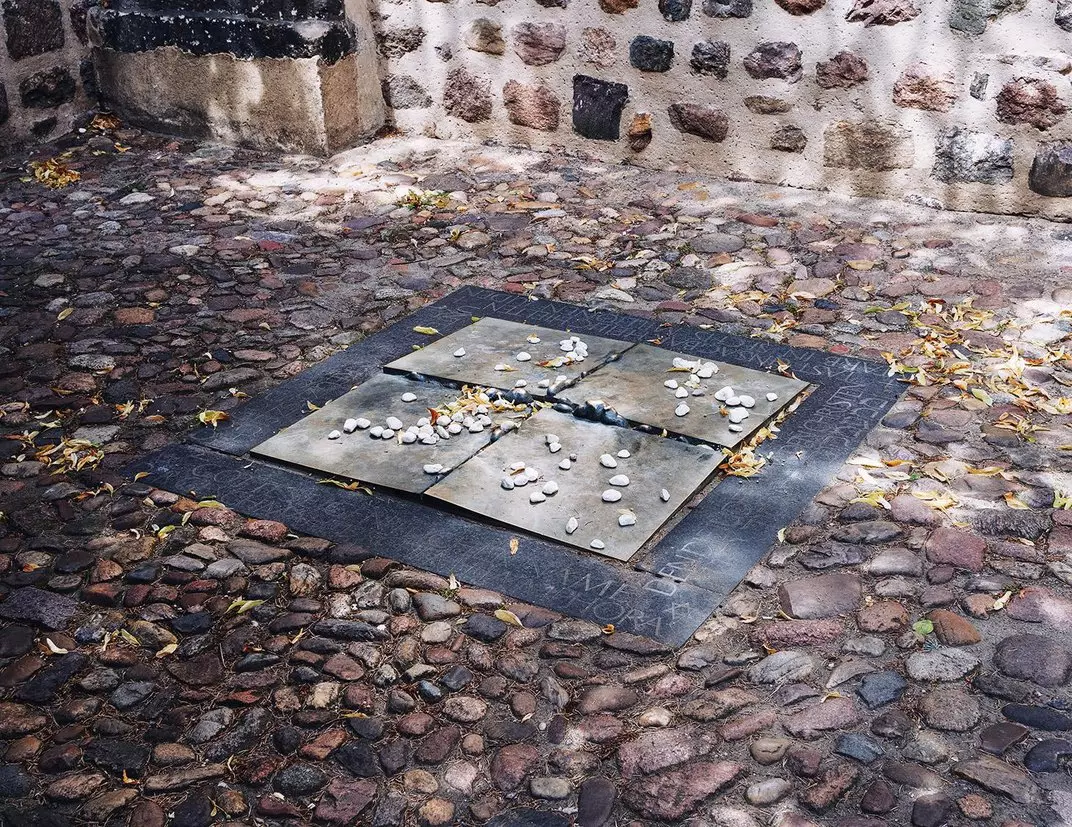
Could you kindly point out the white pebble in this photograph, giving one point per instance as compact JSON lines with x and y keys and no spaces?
{"x":681,"y":393}
{"x":433,"y":468}
{"x":607,"y":461}
{"x":460,"y":352}
{"x":533,"y":339}
{"x":772,"y":397}
{"x":747,"y":401}
{"x":664,"y":495}
{"x":349,"y":426}
{"x":627,"y":519}
{"x":670,"y":383}
{"x":611,"y":496}
{"x":683,"y":363}
{"x":523,"y":356}
{"x":409,"y":397}
{"x":394,"y":423}
{"x":408,"y":438}
{"x":724,"y":393}
{"x":550,"y":488}
{"x":545,"y":383}
{"x":536,"y":497}
{"x":388,"y":433}
{"x":334,"y":435}
{"x":623,"y":454}
{"x":520,"y":481}
{"x":554,"y":447}
{"x":571,"y":525}
{"x":424,"y":420}
{"x":476,"y":428}
{"x":738,"y":415}
{"x":707,"y":370}
{"x":619,"y":480}
{"x":454,"y":428}
{"x":551,"y":439}
{"x":429,"y":440}
{"x":681,"y":410}
{"x":532,"y":473}
{"x":362,"y":423}
{"x":376,"y":431}
{"x":517,"y":466}
{"x":507,"y":484}
{"x":598,"y":544}
{"x":736,"y":429}
{"x":733,"y":401}
{"x":565,"y":465}
{"x":501,"y":366}
{"x":521,"y":383}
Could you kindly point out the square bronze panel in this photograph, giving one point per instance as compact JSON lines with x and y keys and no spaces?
{"x":358,"y":456}
{"x":653,"y":464}
{"x":490,"y":342}
{"x":634,"y":386}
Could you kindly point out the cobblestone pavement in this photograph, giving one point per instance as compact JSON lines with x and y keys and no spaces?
{"x":902,"y":657}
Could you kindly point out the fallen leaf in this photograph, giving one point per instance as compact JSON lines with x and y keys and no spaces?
{"x":427,"y":331}
{"x":213,"y":418}
{"x":506,"y":616}
{"x":54,"y":649}
{"x":923,"y":627}
{"x":63,"y":314}
{"x":514,"y":543}
{"x":166,"y":650}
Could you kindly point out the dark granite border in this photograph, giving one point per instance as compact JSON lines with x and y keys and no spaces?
{"x":669,"y":592}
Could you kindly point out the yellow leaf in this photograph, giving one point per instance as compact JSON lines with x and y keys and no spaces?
{"x":506,"y":616}
{"x":54,"y":649}
{"x":427,"y":331}
{"x":1002,"y":601}
{"x":166,"y":650}
{"x":609,"y":629}
{"x":1062,"y":500}
{"x":165,"y":531}
{"x":875,"y":498}
{"x":1015,"y":502}
{"x":349,"y":486}
{"x":128,"y":637}
{"x":312,"y":407}
{"x":63,"y":314}
{"x":213,"y":418}
{"x":140,"y":475}
{"x":452,"y":583}
{"x":514,"y":543}
{"x":867,"y":462}
{"x":781,"y":534}
{"x":983,"y":397}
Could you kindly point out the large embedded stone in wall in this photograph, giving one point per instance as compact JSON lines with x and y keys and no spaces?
{"x":1051,"y":171}
{"x":5,"y":111}
{"x":467,"y":96}
{"x":34,"y":27}
{"x":1063,"y":16}
{"x":921,"y":87}
{"x":1032,"y":101}
{"x":597,"y":47}
{"x":867,"y":145}
{"x":49,"y":89}
{"x":882,"y":12}
{"x":775,"y":59}
{"x":393,"y":43}
{"x":404,"y":92}
{"x":674,"y":11}
{"x":703,"y":121}
{"x":962,"y":156}
{"x":536,"y":107}
{"x":801,"y":7}
{"x":618,"y":6}
{"x":789,"y":139}
{"x":843,"y":71}
{"x":651,"y":55}
{"x":597,"y":107}
{"x":711,"y":57}
{"x":484,"y":35}
{"x":972,"y":16}
{"x":727,"y":8}
{"x":538,"y":44}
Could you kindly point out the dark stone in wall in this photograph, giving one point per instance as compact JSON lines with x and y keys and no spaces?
{"x":775,"y":60}
{"x":789,"y":139}
{"x":397,"y":42}
{"x":43,"y":128}
{"x":467,"y":96}
{"x":597,"y":107}
{"x":800,"y":7}
{"x":33,"y":27}
{"x":963,"y":156}
{"x":553,"y":4}
{"x":727,"y":8}
{"x":639,"y":133}
{"x":1030,"y":100}
{"x":1051,"y":171}
{"x":79,"y":11}
{"x":264,"y":9}
{"x":842,"y":71}
{"x":5,"y":111}
{"x":711,"y":57}
{"x":205,"y":34}
{"x":403,"y":92}
{"x":704,"y":121}
{"x":972,"y":16}
{"x":1063,"y":16}
{"x":675,"y":10}
{"x":979,"y":82}
{"x":88,"y":75}
{"x":650,"y":55}
{"x":50,"y":88}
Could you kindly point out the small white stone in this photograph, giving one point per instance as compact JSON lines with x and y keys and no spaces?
{"x":551,"y":439}
{"x":772,"y":397}
{"x":681,"y":410}
{"x":349,"y":426}
{"x":508,"y":426}
{"x":520,"y":481}
{"x":429,"y":440}
{"x":724,"y":393}
{"x":620,"y":480}
{"x":458,"y":416}
{"x":681,"y":393}
{"x":738,"y":415}
{"x":623,"y":454}
{"x":550,"y":488}
{"x":545,"y":383}
{"x":554,"y":447}
{"x":334,"y":435}
{"x":607,"y":461}
{"x":376,"y":431}
{"x":408,"y":438}
{"x":507,"y":484}
{"x":627,"y":519}
{"x":501,"y":366}
{"x":476,"y":428}
{"x":433,"y":468}
{"x":442,"y":432}
{"x":747,"y":401}
{"x":707,"y":370}
{"x":532,"y":473}
{"x":566,"y":345}
{"x":424,"y":420}
{"x":523,"y":356}
{"x":735,"y":429}
{"x":536,"y":497}
{"x":683,"y":363}
{"x":388,"y":433}
{"x":533,"y":339}
{"x":733,"y":401}
{"x":460,"y":352}
{"x":611,"y":496}
{"x":409,"y":397}
{"x":362,"y":423}
{"x":598,"y":544}
{"x":565,"y":465}
{"x":394,"y":423}
{"x":521,"y":383}
{"x":454,"y":428}
{"x":571,"y":525}
{"x":670,"y":383}
{"x":664,"y":495}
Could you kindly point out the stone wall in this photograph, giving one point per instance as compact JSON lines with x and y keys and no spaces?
{"x":959,"y":103}
{"x":45,"y":79}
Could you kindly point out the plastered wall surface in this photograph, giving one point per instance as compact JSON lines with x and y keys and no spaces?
{"x":943,"y":102}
